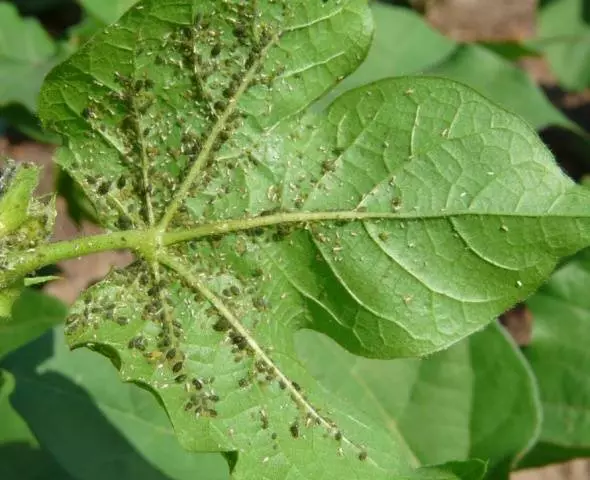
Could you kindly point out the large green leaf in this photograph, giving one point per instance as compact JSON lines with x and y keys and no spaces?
{"x":27,"y":53}
{"x":403,"y":219}
{"x":20,"y":455}
{"x":564,"y":35}
{"x":559,"y":358}
{"x":477,"y":399}
{"x":96,"y":426}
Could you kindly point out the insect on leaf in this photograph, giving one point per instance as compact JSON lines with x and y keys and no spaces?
{"x":404,"y":218}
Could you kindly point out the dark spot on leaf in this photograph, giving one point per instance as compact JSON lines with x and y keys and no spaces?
{"x":180,"y":378}
{"x":363,"y":455}
{"x":294,"y":429}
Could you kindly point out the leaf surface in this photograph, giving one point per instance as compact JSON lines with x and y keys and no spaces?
{"x":186,"y":123}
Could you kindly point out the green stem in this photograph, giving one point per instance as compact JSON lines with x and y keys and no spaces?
{"x":23,"y":263}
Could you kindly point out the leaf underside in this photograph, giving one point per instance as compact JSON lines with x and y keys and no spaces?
{"x":403,"y":219}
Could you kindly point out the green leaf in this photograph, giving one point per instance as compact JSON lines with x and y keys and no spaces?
{"x":504,"y":83}
{"x":32,"y":314}
{"x":564,"y":35}
{"x":185,"y":125}
{"x":107,"y":11}
{"x":27,"y":53}
{"x":96,"y":426}
{"x":557,"y":354}
{"x":20,"y":455}
{"x":478,"y":399}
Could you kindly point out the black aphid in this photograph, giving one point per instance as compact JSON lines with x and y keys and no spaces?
{"x":170,"y":354}
{"x":177,"y":367}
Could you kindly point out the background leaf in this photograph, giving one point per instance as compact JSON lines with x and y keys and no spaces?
{"x":27,"y":53}
{"x":564,"y":35}
{"x":557,"y":354}
{"x":96,"y":426}
{"x":32,"y":314}
{"x":20,"y":454}
{"x":107,"y":11}
{"x":478,"y":399}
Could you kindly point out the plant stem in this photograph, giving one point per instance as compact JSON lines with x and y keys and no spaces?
{"x":22,"y":263}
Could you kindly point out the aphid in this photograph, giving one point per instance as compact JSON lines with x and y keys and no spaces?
{"x":137,"y":342}
{"x":180,"y":378}
{"x":152,"y":291}
{"x":88,"y":113}
{"x":122,"y":320}
{"x":197,"y":383}
{"x":234,"y":290}
{"x":273,"y":436}
{"x":338,"y":436}
{"x":294,"y":429}
{"x":238,"y":340}
{"x":103,"y":188}
{"x":296,"y":386}
{"x":243,"y":382}
{"x":383,"y":236}
{"x":363,"y":455}
{"x":282,"y":385}
{"x":216,"y":50}
{"x":264,"y":419}
{"x":170,"y":354}
{"x":177,"y":367}
{"x":260,"y":303}
{"x":188,"y":406}
{"x":214,"y":398}
{"x":124,"y":223}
